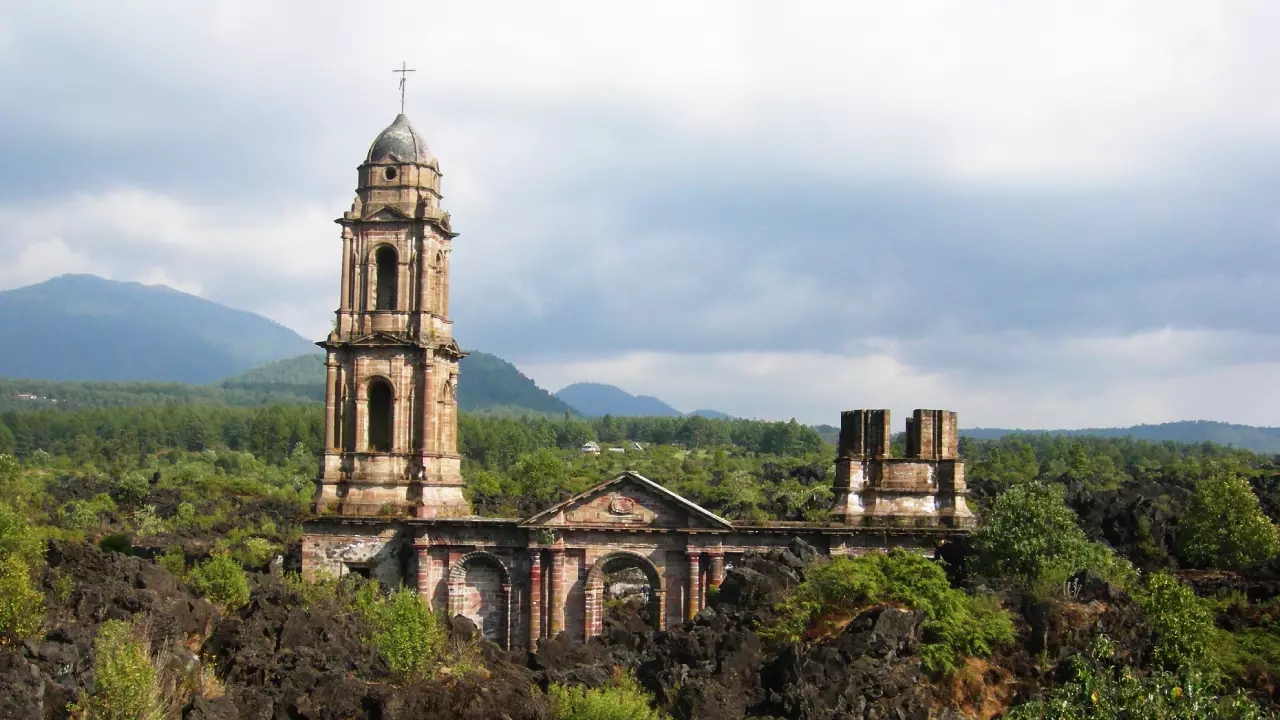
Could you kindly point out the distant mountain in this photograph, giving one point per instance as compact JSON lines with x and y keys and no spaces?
{"x":83,"y":327}
{"x":598,"y":399}
{"x":488,"y":381}
{"x":711,"y":414}
{"x":1248,"y":437}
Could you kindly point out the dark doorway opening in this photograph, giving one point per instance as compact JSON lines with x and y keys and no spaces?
{"x":380,"y":416}
{"x":388,"y":275}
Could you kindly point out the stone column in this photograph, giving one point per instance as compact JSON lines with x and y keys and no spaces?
{"x":344,"y":304}
{"x":424,"y":280}
{"x":330,"y":404}
{"x":717,"y":569}
{"x":556,"y":589}
{"x":535,"y":597}
{"x":428,"y":404}
{"x":362,"y":417}
{"x":426,"y":582}
{"x":694,"y":595}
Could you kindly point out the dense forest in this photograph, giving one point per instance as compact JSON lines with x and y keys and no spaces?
{"x":1110,"y":578}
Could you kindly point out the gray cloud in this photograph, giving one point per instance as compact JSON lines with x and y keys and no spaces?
{"x":1005,"y":205}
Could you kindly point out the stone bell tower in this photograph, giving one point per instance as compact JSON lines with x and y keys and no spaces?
{"x":392,"y":364}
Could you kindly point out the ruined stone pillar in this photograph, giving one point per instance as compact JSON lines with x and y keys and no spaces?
{"x":556,"y":590}
{"x":693,"y":599}
{"x":344,"y":304}
{"x":426,"y":583}
{"x":330,"y":404}
{"x":717,"y":569}
{"x":535,"y":598}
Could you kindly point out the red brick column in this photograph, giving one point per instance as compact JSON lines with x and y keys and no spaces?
{"x":717,"y":569}
{"x":594,"y":622}
{"x":426,"y":583}
{"x":556,"y":589}
{"x":458,"y":589}
{"x":694,"y":597}
{"x":506,"y":616}
{"x":535,"y":597}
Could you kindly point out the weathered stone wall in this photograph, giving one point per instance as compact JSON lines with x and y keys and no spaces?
{"x":485,"y":570}
{"x":383,"y":552}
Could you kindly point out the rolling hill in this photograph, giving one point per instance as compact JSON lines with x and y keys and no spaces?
{"x":83,"y":327}
{"x":81,"y":341}
{"x":598,"y":400}
{"x":1257,"y":439}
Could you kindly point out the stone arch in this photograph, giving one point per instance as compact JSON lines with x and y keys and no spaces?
{"x":386,"y":264}
{"x":480,"y":590}
{"x":380,"y":399}
{"x":595,"y":588}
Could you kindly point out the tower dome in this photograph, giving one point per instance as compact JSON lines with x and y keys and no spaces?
{"x":399,"y":143}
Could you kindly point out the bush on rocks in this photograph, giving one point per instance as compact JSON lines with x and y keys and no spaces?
{"x":405,"y":630}
{"x":1032,"y":537}
{"x":1181,"y":621}
{"x":222,"y":581}
{"x":1225,"y":526}
{"x":125,"y":685}
{"x":621,"y":699}
{"x":956,"y":625}
{"x":21,"y":605}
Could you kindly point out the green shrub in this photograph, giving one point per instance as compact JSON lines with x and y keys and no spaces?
{"x":1224,"y":527}
{"x":21,"y":604}
{"x":17,"y":537}
{"x":956,"y":625}
{"x":255,"y":552}
{"x":125,"y":685}
{"x":184,"y":515}
{"x":86,"y":514}
{"x":148,"y":523}
{"x":222,"y":581}
{"x":404,"y":629}
{"x":1182,"y":622}
{"x":117,"y":542}
{"x":623,"y":699}
{"x":1100,"y":691}
{"x":174,"y":560}
{"x":1030,"y":535}
{"x":132,"y":486}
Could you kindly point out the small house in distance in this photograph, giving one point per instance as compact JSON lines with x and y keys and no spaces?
{"x":591,"y":448}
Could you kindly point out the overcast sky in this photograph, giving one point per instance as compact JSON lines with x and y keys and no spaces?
{"x":1037,"y":214}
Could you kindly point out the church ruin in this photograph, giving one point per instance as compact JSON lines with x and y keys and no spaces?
{"x":389,"y":501}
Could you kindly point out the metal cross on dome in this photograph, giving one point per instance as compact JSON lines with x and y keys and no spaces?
{"x":404,"y":71}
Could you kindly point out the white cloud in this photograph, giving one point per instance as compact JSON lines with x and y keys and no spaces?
{"x":1075,"y":382}
{"x":243,"y":256}
{"x":209,"y":146}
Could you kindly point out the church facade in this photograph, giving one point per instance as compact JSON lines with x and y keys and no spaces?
{"x":390,"y":504}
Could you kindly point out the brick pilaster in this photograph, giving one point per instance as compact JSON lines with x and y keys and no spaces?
{"x":556,"y":593}
{"x":535,"y":597}
{"x":693,"y":599}
{"x":717,"y":569}
{"x":426,"y":582}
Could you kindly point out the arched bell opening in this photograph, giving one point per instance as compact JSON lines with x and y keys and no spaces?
{"x":381,"y":415}
{"x":387,"y":271}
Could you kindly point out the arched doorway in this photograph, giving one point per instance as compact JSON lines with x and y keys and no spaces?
{"x":480,"y":590}
{"x":626,"y":586}
{"x":381,"y":415}
{"x":388,"y":272}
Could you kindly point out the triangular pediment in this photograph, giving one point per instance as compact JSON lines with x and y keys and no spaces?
{"x":380,"y":339}
{"x":388,"y":213}
{"x":630,"y":500}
